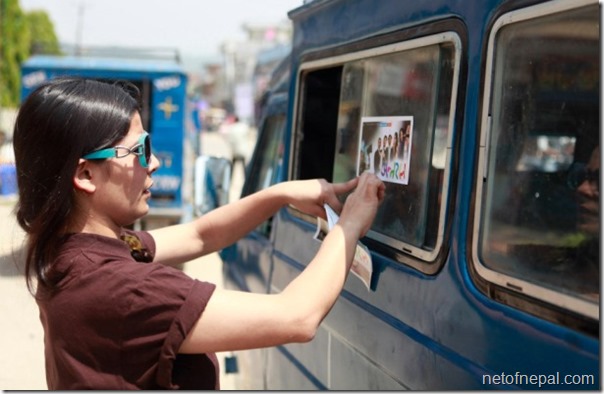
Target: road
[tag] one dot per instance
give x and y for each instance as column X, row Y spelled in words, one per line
column 22, row 339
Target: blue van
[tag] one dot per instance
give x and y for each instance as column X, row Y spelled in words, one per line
column 482, row 118
column 162, row 83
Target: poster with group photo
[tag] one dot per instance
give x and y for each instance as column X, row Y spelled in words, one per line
column 385, row 147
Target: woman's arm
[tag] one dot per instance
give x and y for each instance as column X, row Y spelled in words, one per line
column 235, row 320
column 227, row 224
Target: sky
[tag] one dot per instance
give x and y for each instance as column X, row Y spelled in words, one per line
column 196, row 27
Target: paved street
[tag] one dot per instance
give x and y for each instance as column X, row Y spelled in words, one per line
column 22, row 361
column 22, row 354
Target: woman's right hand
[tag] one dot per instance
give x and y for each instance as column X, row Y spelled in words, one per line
column 361, row 205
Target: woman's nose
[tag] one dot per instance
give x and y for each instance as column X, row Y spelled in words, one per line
column 155, row 163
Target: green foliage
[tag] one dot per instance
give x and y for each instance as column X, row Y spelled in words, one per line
column 43, row 37
column 21, row 35
column 12, row 50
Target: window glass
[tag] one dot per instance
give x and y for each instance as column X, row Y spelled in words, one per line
column 540, row 218
column 415, row 85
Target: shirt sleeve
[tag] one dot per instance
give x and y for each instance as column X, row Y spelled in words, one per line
column 181, row 326
column 163, row 307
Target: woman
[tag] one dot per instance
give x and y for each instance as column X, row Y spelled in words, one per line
column 115, row 315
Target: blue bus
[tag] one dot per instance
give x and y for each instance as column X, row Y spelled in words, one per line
column 483, row 119
column 162, row 83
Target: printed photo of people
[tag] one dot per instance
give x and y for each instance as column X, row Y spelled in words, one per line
column 385, row 147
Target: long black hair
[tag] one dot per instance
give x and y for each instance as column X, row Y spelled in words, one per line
column 58, row 123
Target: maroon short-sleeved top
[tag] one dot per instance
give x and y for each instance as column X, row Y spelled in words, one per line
column 116, row 323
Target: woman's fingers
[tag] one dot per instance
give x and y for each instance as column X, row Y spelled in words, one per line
column 361, row 206
column 339, row 189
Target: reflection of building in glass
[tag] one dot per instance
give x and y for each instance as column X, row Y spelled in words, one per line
column 267, row 61
column 547, row 153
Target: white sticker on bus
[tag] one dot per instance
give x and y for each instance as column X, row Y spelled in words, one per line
column 33, row 79
column 166, row 182
column 167, row 83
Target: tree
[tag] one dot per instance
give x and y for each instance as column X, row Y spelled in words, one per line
column 42, row 33
column 21, row 35
column 13, row 50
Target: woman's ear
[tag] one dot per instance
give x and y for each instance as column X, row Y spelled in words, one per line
column 82, row 180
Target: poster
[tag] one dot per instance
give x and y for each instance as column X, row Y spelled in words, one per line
column 385, row 147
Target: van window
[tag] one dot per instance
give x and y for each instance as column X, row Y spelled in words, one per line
column 540, row 210
column 410, row 83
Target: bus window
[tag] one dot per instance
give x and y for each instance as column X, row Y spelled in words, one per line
column 319, row 113
column 540, row 208
column 144, row 87
column 414, row 80
column 405, row 83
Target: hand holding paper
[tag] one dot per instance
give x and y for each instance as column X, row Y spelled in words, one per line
column 356, row 217
column 362, row 266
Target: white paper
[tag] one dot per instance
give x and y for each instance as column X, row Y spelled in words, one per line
column 362, row 267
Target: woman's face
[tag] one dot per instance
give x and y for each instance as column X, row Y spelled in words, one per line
column 124, row 186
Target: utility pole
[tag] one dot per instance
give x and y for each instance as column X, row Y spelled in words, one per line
column 80, row 27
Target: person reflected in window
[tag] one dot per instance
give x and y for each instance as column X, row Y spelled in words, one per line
column 571, row 262
column 585, row 178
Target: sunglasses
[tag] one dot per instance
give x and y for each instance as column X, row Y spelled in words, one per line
column 579, row 173
column 142, row 149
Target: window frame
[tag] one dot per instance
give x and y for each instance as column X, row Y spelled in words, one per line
column 408, row 254
column 272, row 126
column 510, row 285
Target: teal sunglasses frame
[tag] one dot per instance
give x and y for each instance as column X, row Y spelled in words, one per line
column 142, row 149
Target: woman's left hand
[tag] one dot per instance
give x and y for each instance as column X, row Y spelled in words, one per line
column 309, row 196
